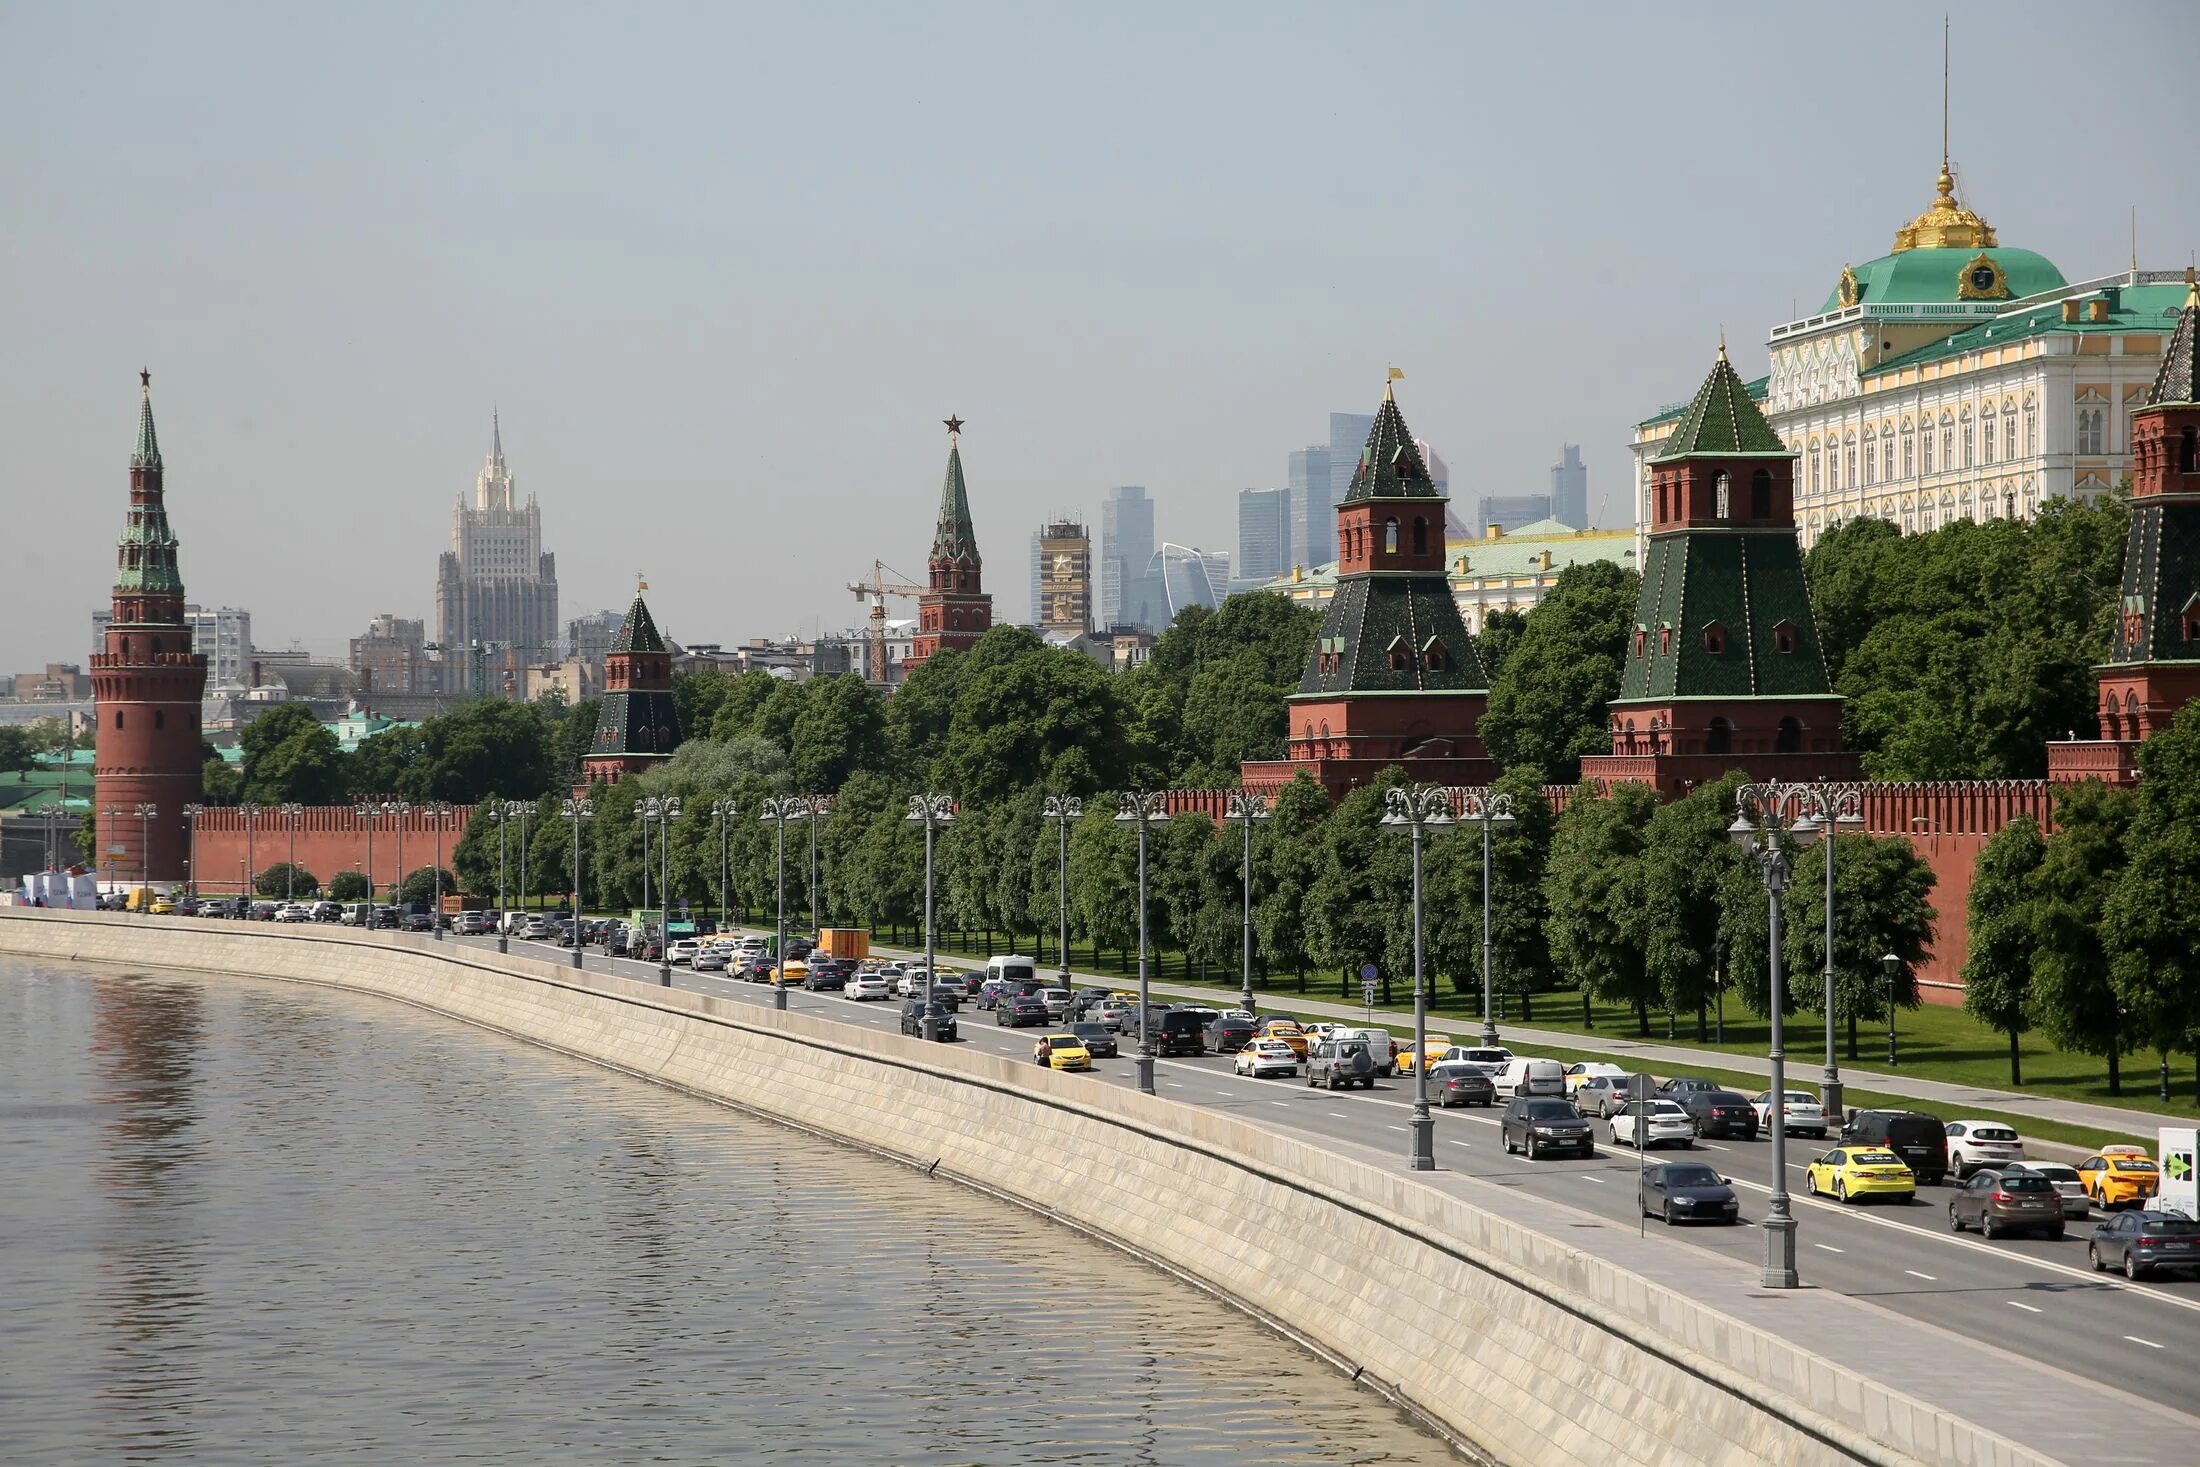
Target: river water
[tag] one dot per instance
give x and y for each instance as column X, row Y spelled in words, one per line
column 251, row 1222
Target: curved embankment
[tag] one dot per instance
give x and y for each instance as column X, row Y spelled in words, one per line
column 1522, row 1348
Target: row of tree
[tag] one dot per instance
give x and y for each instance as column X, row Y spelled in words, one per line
column 2088, row 933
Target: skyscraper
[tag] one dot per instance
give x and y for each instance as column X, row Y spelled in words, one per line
column 1189, row 576
column 1348, row 434
column 1313, row 510
column 1509, row 511
column 495, row 585
column 1570, row 488
column 1061, row 577
column 1264, row 537
column 1130, row 594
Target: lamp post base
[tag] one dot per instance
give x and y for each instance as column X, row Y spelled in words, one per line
column 779, row 997
column 664, row 975
column 576, row 957
column 1830, row 1097
column 504, row 943
column 1145, row 1073
column 1489, row 1036
column 1780, row 1254
column 1423, row 1126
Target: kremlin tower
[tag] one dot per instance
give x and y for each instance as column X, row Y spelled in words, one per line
column 146, row 686
column 636, row 725
column 955, row 610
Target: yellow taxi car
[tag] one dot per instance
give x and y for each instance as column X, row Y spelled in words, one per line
column 1431, row 1053
column 2119, row 1176
column 1283, row 1031
column 1062, row 1052
column 162, row 907
column 794, row 974
column 1853, row 1173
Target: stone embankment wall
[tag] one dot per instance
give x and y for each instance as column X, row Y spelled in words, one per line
column 1523, row 1348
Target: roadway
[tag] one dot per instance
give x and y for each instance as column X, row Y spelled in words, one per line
column 2032, row 1297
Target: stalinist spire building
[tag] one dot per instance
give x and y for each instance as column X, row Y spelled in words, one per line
column 496, row 592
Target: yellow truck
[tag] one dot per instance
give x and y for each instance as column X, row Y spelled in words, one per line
column 852, row 944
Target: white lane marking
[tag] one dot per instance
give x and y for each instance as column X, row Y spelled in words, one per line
column 1913, row 1273
column 1587, row 1178
column 1397, row 1128
column 1285, row 1103
column 2027, row 1308
column 1339, row 1115
column 2137, row 1341
column 1714, row 1146
column 1829, row 1247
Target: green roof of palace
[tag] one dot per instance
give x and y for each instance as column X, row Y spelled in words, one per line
column 1723, row 418
column 2132, row 308
column 956, row 538
column 1935, row 276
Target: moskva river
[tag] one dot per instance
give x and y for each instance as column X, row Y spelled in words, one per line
column 252, row 1222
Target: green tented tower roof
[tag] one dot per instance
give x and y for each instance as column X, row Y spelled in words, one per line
column 1722, row 420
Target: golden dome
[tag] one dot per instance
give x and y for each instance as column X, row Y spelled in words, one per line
column 1947, row 225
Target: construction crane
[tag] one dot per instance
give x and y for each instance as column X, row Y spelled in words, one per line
column 876, row 590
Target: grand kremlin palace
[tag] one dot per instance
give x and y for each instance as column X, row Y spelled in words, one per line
column 1954, row 378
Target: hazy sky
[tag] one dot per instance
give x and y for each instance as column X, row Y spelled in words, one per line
column 724, row 268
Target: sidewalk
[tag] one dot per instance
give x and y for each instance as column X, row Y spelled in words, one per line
column 1803, row 1063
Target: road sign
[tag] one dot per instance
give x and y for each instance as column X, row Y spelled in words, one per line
column 1641, row 1087
column 1368, row 972
column 2181, row 1169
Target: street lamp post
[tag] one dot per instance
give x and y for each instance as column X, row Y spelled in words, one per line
column 1893, row 965
column 439, row 814
column 113, row 813
column 1144, row 809
column 145, row 811
column 1064, row 811
column 579, row 812
column 778, row 810
column 290, row 810
column 1245, row 809
column 1718, row 983
column 399, row 812
column 723, row 811
column 191, row 813
column 1837, row 809
column 525, row 810
column 931, row 812
column 1487, row 808
column 664, row 809
column 250, row 812
column 1780, row 826
column 501, row 813
column 1423, row 811
column 365, row 811
column 812, row 807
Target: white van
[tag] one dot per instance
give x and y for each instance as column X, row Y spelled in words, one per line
column 1013, row 969
column 1524, row 1076
column 1380, row 1046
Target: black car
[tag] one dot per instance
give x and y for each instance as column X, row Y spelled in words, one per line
column 1019, row 1009
column 912, row 1019
column 1686, row 1191
column 1098, row 1039
column 1228, row 1036
column 419, row 922
column 1081, row 1001
column 827, row 978
column 1180, row 1031
column 2141, row 1242
column 1128, row 1024
column 1680, row 1085
column 1461, row 1082
column 1920, row 1140
column 1539, row 1125
column 1719, row 1112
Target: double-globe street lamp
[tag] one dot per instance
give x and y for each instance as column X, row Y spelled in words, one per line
column 501, row 812
column 191, row 814
column 290, row 810
column 577, row 813
column 1772, row 824
column 932, row 812
column 778, row 810
column 813, row 807
column 1837, row 810
column 1144, row 809
column 251, row 814
column 723, row 812
column 664, row 809
column 1062, row 811
column 439, row 815
column 1422, row 811
column 1486, row 808
column 1244, row 809
column 399, row 812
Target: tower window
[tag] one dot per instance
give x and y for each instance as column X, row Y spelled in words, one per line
column 160, row 718
column 2188, row 451
column 1789, row 738
column 1719, row 738
column 1642, row 638
column 1420, row 535
column 1390, row 537
column 1432, row 655
column 1760, row 495
column 1401, row 656
column 1714, row 638
column 118, row 718
column 1722, row 493
column 1783, row 637
column 1665, row 639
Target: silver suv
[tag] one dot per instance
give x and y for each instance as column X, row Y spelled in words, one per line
column 1340, row 1064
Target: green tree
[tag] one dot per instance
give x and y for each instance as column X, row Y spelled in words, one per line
column 1520, row 913
column 865, row 800
column 2151, row 920
column 1997, row 970
column 2074, row 1000
column 1672, row 904
column 17, row 749
column 1588, row 884
column 1547, row 703
column 738, row 706
column 1500, row 634
column 280, row 880
column 1233, row 712
column 1288, row 855
column 420, row 887
column 1359, row 909
column 291, row 755
column 1103, row 879
column 349, row 886
column 1047, row 717
column 1882, row 903
column 840, row 731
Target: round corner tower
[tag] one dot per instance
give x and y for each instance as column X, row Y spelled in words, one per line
column 146, row 686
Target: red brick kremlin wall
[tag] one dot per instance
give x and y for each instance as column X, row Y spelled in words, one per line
column 330, row 839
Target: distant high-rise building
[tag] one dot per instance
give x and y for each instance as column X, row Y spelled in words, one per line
column 1570, row 488
column 1189, row 576
column 1130, row 592
column 589, row 639
column 1347, row 436
column 223, row 634
column 1264, row 537
column 389, row 658
column 1061, row 578
column 1313, row 514
column 496, row 585
column 1509, row 511
column 1439, row 472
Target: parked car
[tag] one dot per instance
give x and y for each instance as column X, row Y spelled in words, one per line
column 1340, row 1063
column 1799, row 1111
column 1227, row 1035
column 1098, row 1039
column 2064, row 1178
column 1918, row 1139
column 1540, row 1125
column 1181, row 1031
column 2119, row 1176
column 1654, row 1122
column 1456, row 1082
column 1686, row 1191
column 1998, row 1202
column 1853, row 1173
column 1719, row 1113
column 1017, row 1010
column 2141, row 1242
column 866, row 986
column 1976, row 1144
column 1265, row 1057
column 913, row 1012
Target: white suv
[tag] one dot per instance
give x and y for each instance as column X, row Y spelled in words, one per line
column 1976, row 1144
